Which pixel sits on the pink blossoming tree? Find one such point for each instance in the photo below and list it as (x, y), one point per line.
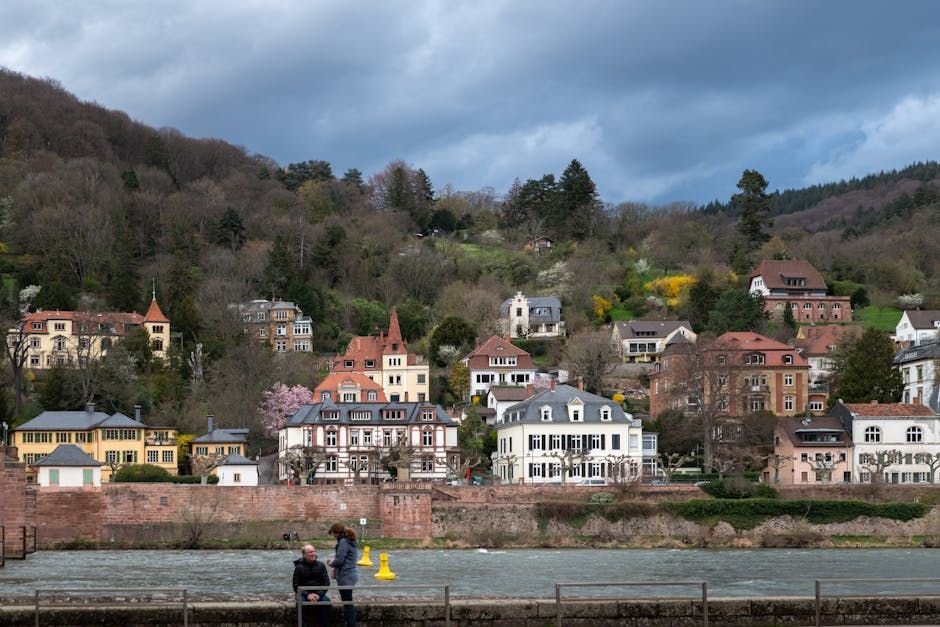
(280, 403)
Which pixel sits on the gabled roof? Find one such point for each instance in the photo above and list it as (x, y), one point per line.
(68, 455)
(234, 459)
(220, 435)
(336, 380)
(69, 421)
(775, 272)
(917, 353)
(313, 414)
(662, 328)
(497, 346)
(889, 410)
(747, 341)
(558, 400)
(923, 319)
(816, 340)
(154, 314)
(394, 344)
(509, 392)
(552, 303)
(94, 323)
(120, 420)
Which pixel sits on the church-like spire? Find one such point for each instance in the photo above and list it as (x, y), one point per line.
(394, 344)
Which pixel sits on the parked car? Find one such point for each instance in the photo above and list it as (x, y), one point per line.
(593, 482)
(659, 482)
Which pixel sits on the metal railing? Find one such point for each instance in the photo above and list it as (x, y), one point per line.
(113, 598)
(611, 584)
(369, 601)
(820, 596)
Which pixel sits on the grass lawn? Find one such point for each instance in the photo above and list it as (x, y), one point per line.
(885, 318)
(619, 313)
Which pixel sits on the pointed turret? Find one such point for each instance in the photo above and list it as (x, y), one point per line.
(154, 314)
(394, 344)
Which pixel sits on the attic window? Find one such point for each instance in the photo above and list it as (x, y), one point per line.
(546, 414)
(788, 359)
(605, 413)
(348, 363)
(370, 363)
(372, 396)
(575, 415)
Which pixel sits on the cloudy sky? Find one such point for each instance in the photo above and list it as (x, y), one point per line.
(660, 101)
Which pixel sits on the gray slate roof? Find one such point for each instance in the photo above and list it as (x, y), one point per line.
(76, 421)
(551, 302)
(630, 328)
(529, 410)
(221, 435)
(68, 455)
(312, 414)
(234, 459)
(923, 318)
(916, 353)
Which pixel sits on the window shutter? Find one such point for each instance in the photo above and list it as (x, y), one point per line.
(603, 440)
(543, 470)
(531, 442)
(530, 468)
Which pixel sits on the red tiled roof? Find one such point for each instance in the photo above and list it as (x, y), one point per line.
(775, 273)
(816, 340)
(889, 409)
(394, 344)
(117, 320)
(497, 346)
(154, 314)
(360, 349)
(335, 380)
(746, 341)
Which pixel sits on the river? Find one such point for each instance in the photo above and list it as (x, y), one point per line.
(484, 573)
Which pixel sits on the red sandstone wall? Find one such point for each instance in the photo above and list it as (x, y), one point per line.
(17, 500)
(406, 513)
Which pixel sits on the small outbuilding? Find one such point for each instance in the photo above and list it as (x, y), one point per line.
(68, 467)
(237, 470)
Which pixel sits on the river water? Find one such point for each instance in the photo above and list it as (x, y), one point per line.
(485, 573)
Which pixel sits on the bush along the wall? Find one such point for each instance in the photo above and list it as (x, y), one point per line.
(738, 488)
(576, 513)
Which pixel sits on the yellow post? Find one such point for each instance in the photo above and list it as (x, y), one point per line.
(384, 572)
(365, 561)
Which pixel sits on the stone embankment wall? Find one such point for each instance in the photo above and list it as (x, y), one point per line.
(17, 502)
(499, 613)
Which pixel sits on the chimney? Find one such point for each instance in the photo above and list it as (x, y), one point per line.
(89, 408)
(553, 383)
(209, 420)
(581, 383)
(529, 390)
(137, 413)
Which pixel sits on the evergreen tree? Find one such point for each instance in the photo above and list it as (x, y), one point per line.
(231, 230)
(864, 369)
(123, 289)
(577, 206)
(513, 212)
(737, 310)
(353, 178)
(753, 205)
(703, 295)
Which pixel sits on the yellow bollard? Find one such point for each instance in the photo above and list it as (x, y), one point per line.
(365, 561)
(384, 572)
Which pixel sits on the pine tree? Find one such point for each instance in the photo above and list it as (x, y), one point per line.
(577, 204)
(864, 369)
(231, 230)
(754, 207)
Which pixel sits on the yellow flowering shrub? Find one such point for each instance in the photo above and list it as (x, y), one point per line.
(601, 306)
(670, 287)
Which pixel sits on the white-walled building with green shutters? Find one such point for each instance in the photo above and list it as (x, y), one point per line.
(68, 467)
(564, 434)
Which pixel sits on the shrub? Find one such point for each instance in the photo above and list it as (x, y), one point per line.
(738, 488)
(142, 473)
(602, 498)
(213, 479)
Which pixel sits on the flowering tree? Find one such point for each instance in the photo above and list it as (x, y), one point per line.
(281, 402)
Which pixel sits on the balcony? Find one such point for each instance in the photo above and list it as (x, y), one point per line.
(160, 441)
(759, 389)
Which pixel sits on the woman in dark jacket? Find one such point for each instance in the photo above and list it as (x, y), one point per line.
(344, 567)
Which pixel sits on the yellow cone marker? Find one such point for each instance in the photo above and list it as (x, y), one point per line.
(365, 561)
(384, 572)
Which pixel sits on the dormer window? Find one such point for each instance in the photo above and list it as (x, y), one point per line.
(788, 360)
(722, 360)
(370, 363)
(605, 414)
(348, 363)
(331, 415)
(324, 396)
(372, 395)
(575, 415)
(755, 358)
(546, 413)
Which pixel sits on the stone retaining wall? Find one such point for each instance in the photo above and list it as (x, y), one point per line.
(516, 613)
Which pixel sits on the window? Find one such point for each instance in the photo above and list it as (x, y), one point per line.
(815, 405)
(331, 438)
(367, 437)
(427, 438)
(200, 450)
(536, 442)
(756, 358)
(575, 415)
(158, 328)
(280, 315)
(280, 346)
(554, 442)
(34, 360)
(788, 360)
(233, 449)
(836, 306)
(302, 328)
(427, 464)
(167, 457)
(596, 442)
(236, 477)
(331, 463)
(807, 306)
(348, 363)
(788, 380)
(58, 344)
(262, 332)
(872, 434)
(53, 476)
(301, 346)
(387, 437)
(915, 434)
(722, 360)
(354, 437)
(129, 457)
(394, 361)
(757, 404)
(615, 441)
(422, 378)
(88, 476)
(788, 403)
(37, 326)
(372, 395)
(153, 457)
(605, 413)
(546, 414)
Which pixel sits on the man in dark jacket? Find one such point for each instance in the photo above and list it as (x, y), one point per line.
(308, 571)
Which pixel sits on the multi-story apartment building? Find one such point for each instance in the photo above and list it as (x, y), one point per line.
(563, 435)
(279, 323)
(385, 359)
(644, 340)
(349, 387)
(220, 443)
(114, 440)
(738, 374)
(498, 362)
(536, 317)
(920, 374)
(918, 326)
(353, 442)
(798, 285)
(810, 450)
(898, 441)
(70, 338)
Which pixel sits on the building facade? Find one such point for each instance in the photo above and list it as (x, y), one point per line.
(645, 340)
(71, 338)
(358, 442)
(68, 467)
(537, 317)
(920, 374)
(818, 343)
(498, 362)
(564, 435)
(810, 451)
(918, 327)
(114, 440)
(798, 285)
(279, 323)
(349, 387)
(385, 359)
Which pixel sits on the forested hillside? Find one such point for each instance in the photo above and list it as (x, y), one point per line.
(99, 210)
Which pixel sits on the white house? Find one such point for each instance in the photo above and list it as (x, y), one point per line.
(564, 434)
(535, 317)
(644, 340)
(68, 467)
(920, 374)
(498, 362)
(352, 441)
(500, 398)
(902, 432)
(918, 327)
(236, 470)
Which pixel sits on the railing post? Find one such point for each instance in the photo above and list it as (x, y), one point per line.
(446, 606)
(185, 608)
(818, 608)
(3, 546)
(705, 603)
(557, 605)
(37, 608)
(23, 529)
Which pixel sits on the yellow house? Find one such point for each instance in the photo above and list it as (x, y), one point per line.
(220, 442)
(68, 338)
(115, 440)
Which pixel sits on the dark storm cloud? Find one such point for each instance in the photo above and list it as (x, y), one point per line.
(660, 101)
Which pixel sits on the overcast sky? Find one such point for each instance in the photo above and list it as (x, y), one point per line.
(660, 100)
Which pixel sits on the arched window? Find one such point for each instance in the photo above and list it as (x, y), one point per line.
(915, 434)
(872, 434)
(158, 344)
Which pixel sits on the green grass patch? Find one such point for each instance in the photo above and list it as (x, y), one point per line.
(619, 313)
(748, 513)
(576, 513)
(884, 318)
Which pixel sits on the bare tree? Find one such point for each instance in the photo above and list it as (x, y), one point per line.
(203, 465)
(304, 461)
(398, 458)
(620, 470)
(670, 463)
(931, 460)
(568, 460)
(876, 463)
(591, 357)
(201, 510)
(460, 466)
(778, 461)
(16, 342)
